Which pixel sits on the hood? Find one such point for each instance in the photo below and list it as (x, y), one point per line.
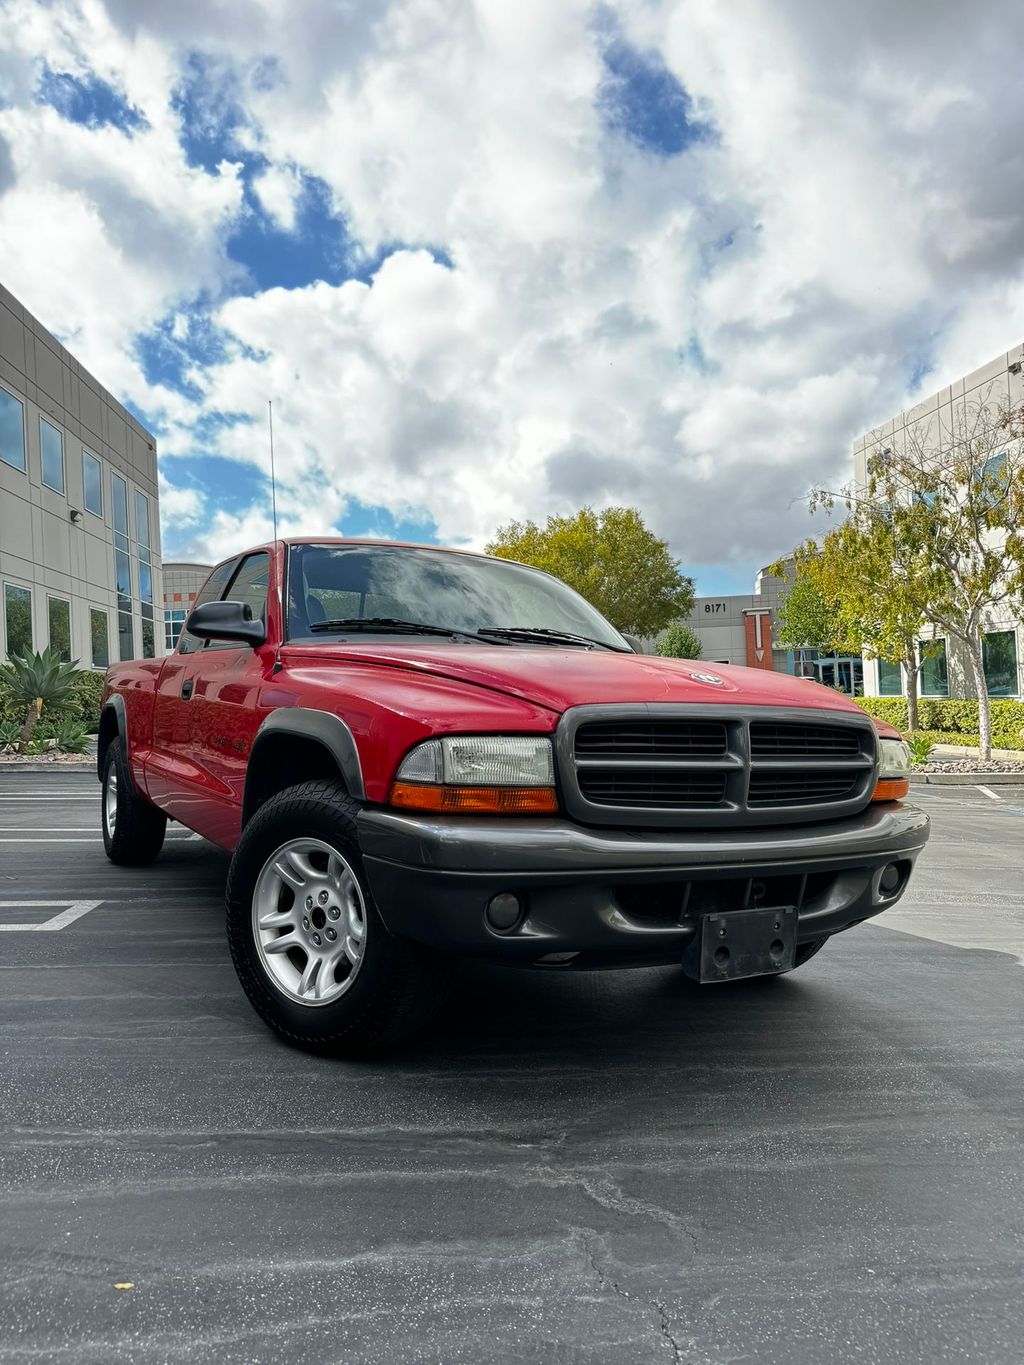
(560, 678)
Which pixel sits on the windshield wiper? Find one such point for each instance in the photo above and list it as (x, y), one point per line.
(546, 636)
(390, 625)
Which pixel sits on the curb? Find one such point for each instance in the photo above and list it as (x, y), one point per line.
(967, 779)
(88, 766)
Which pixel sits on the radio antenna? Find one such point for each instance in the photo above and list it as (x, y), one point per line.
(273, 480)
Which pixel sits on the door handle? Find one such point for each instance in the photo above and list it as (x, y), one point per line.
(186, 688)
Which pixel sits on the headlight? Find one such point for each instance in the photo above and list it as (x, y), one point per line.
(893, 767)
(474, 774)
(895, 758)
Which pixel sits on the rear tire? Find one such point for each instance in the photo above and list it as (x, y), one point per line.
(310, 949)
(133, 828)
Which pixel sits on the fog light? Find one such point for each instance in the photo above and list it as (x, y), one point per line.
(503, 911)
(890, 879)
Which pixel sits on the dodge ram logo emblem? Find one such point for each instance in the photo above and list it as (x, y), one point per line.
(712, 678)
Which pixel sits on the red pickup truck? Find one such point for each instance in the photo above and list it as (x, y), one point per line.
(416, 753)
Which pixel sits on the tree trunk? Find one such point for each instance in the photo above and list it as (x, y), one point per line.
(31, 720)
(913, 667)
(984, 707)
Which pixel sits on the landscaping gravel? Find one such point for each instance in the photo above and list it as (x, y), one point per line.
(968, 765)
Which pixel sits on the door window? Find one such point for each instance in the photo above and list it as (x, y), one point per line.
(249, 584)
(212, 591)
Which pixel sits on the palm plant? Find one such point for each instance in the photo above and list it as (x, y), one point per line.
(33, 681)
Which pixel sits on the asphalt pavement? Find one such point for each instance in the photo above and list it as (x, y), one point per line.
(591, 1167)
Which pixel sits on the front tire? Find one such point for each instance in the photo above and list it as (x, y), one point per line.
(311, 952)
(133, 828)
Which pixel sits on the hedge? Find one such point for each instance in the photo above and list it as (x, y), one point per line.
(81, 704)
(953, 720)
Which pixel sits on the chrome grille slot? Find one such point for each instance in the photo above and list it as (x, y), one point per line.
(694, 765)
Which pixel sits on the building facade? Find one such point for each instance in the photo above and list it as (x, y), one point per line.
(945, 671)
(741, 629)
(79, 509)
(181, 586)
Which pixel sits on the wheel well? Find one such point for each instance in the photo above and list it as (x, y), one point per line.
(107, 732)
(283, 760)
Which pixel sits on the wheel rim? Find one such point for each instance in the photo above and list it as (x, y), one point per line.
(309, 922)
(110, 802)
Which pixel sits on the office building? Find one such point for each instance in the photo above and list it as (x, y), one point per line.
(945, 671)
(181, 587)
(79, 510)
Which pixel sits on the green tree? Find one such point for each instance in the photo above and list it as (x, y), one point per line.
(846, 598)
(807, 618)
(611, 559)
(941, 522)
(33, 681)
(679, 642)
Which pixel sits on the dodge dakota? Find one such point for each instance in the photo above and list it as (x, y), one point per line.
(415, 753)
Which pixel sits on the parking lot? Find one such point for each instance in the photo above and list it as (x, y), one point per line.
(578, 1167)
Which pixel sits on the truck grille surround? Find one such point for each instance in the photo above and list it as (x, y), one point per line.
(693, 765)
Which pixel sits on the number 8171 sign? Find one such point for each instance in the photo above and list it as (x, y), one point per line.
(714, 608)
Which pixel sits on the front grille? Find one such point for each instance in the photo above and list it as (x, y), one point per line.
(652, 787)
(783, 740)
(652, 739)
(701, 765)
(787, 789)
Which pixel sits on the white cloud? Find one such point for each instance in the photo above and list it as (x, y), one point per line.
(701, 335)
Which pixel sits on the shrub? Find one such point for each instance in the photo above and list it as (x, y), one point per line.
(678, 642)
(953, 720)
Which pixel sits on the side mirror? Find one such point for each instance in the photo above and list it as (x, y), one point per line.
(226, 621)
(633, 641)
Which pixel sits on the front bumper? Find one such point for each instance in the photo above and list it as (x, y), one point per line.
(621, 898)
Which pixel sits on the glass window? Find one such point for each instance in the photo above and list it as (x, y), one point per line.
(249, 584)
(51, 448)
(119, 502)
(125, 636)
(98, 638)
(212, 591)
(148, 636)
(173, 622)
(436, 587)
(999, 652)
(18, 605)
(12, 431)
(58, 613)
(890, 679)
(934, 671)
(145, 580)
(123, 573)
(142, 519)
(92, 483)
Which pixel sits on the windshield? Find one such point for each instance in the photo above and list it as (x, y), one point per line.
(436, 587)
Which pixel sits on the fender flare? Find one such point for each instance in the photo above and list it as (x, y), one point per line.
(324, 728)
(114, 703)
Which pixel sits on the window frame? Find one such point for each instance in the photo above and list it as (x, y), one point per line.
(62, 490)
(1012, 633)
(18, 588)
(922, 660)
(52, 597)
(88, 455)
(23, 467)
(104, 614)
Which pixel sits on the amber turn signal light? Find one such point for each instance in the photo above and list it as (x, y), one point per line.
(453, 800)
(891, 789)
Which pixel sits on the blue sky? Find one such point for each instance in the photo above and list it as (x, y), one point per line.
(495, 262)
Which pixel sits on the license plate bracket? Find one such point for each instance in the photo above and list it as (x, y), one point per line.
(742, 943)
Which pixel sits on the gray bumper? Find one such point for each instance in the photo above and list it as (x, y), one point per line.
(619, 897)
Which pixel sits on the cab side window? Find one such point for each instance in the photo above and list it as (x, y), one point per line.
(249, 584)
(212, 591)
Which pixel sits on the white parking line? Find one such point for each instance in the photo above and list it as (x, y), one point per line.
(989, 792)
(73, 910)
